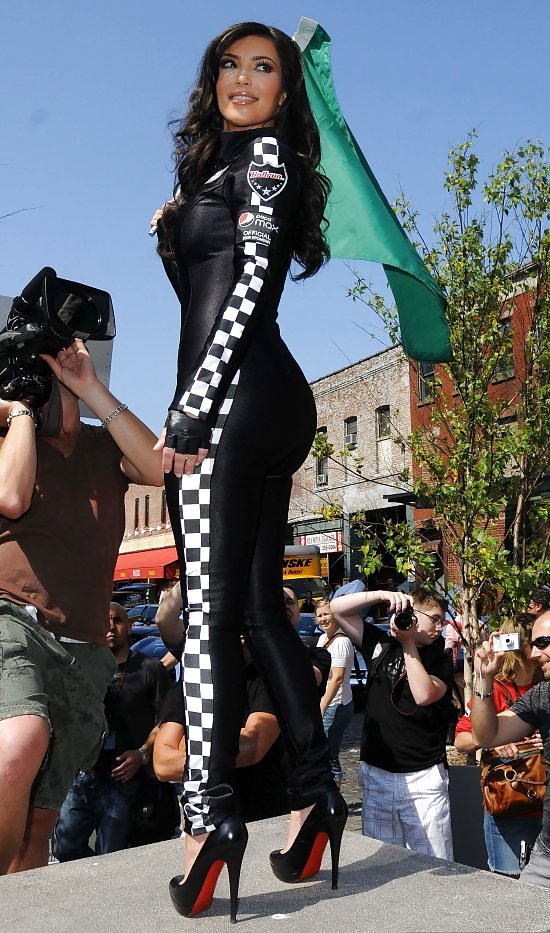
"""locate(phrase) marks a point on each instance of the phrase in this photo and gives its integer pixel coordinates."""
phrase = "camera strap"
(51, 414)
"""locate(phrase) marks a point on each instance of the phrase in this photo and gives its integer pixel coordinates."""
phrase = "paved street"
(349, 759)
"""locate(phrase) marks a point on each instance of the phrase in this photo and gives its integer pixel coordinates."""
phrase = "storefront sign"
(328, 542)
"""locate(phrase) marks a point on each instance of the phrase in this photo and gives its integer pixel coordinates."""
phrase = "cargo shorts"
(63, 683)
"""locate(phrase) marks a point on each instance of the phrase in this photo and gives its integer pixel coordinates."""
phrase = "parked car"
(308, 630)
(143, 613)
(133, 594)
(145, 638)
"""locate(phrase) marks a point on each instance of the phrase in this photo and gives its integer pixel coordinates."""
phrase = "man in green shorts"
(61, 523)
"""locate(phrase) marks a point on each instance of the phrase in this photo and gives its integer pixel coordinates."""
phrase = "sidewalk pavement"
(382, 888)
(349, 759)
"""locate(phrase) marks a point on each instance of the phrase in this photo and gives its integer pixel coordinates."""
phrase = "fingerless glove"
(186, 435)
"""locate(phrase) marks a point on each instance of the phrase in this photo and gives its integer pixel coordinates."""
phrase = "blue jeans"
(335, 722)
(503, 838)
(94, 803)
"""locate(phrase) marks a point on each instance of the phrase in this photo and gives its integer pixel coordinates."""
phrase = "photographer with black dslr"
(403, 769)
(61, 523)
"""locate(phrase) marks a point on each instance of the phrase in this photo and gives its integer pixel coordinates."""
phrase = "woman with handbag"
(512, 819)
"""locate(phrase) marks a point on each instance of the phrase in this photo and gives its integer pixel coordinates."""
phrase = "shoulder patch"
(267, 181)
(256, 227)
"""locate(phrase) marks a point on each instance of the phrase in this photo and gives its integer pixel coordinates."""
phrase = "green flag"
(362, 223)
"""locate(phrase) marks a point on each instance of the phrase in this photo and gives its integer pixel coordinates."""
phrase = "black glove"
(185, 435)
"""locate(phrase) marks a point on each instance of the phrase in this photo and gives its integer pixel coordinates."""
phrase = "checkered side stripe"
(198, 399)
(198, 693)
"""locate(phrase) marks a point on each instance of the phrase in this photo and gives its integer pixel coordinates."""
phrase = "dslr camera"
(507, 642)
(405, 619)
(45, 318)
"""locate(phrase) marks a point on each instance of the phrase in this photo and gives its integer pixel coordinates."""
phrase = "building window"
(147, 503)
(136, 514)
(426, 381)
(163, 507)
(383, 440)
(506, 424)
(321, 472)
(504, 368)
(350, 432)
(383, 422)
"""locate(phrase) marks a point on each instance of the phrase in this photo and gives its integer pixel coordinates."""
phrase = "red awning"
(145, 565)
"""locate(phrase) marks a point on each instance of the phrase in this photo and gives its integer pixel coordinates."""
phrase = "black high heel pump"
(225, 845)
(324, 824)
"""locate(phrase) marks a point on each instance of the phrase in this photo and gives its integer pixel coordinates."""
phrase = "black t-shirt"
(398, 735)
(534, 708)
(132, 706)
(321, 659)
(261, 788)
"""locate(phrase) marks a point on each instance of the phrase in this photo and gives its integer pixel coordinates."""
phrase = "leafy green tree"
(480, 450)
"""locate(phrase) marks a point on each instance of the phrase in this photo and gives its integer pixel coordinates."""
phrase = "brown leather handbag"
(513, 785)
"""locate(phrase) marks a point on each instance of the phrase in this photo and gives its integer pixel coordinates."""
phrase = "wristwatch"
(145, 755)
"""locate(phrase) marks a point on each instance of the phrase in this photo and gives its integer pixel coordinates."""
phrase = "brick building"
(366, 406)
(147, 551)
(516, 321)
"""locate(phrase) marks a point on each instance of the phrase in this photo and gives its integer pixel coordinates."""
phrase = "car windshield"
(308, 626)
(313, 585)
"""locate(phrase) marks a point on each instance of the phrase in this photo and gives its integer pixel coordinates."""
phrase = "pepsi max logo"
(257, 221)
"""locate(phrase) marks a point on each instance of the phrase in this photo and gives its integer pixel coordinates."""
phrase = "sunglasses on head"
(541, 642)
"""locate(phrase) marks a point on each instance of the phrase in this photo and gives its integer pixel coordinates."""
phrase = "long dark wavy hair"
(197, 135)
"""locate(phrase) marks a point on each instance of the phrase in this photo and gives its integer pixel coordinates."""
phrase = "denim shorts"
(63, 683)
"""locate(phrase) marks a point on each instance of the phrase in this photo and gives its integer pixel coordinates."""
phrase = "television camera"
(46, 317)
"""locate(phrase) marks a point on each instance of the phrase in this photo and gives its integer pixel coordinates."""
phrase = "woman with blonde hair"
(337, 701)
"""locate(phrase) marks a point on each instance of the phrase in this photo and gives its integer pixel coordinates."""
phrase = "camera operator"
(532, 710)
(61, 523)
(403, 769)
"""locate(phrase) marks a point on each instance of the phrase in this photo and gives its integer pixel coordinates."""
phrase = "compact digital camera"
(507, 642)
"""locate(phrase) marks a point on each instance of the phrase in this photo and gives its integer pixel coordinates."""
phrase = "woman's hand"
(535, 740)
(153, 223)
(506, 751)
(184, 442)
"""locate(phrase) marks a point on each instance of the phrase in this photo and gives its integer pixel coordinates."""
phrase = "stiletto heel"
(234, 872)
(324, 824)
(225, 845)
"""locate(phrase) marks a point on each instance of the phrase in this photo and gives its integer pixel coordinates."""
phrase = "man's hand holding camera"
(404, 625)
(74, 369)
(488, 662)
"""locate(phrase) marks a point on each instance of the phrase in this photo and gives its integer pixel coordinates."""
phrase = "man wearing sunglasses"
(533, 709)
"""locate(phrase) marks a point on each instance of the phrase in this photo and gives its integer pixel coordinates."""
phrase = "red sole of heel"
(313, 863)
(206, 894)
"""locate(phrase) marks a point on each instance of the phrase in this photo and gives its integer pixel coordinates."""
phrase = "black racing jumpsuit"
(231, 243)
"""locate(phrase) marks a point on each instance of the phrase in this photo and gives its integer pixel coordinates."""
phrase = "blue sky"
(88, 87)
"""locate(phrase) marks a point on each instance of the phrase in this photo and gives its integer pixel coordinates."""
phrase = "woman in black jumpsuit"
(241, 423)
